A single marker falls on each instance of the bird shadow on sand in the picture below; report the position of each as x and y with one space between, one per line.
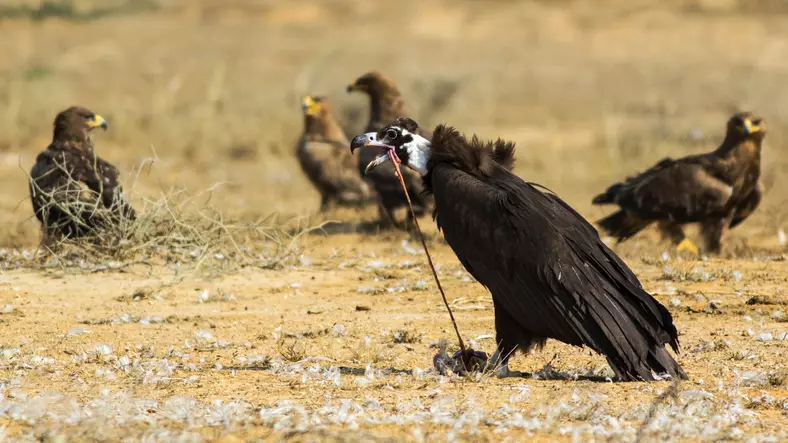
553 376
560 376
344 370
369 228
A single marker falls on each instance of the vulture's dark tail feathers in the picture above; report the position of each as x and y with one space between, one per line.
662 362
657 363
633 328
635 341
622 225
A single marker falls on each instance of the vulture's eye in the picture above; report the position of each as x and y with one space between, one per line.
391 134
757 121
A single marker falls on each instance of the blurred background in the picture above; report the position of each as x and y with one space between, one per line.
591 90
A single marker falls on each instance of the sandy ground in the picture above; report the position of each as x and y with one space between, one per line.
338 346
335 341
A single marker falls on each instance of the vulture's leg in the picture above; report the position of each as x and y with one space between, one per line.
673 232
713 231
510 337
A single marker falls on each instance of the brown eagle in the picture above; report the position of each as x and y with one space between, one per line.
323 156
549 273
385 104
719 190
75 192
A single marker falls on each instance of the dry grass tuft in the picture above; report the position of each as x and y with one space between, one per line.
367 352
177 227
291 349
406 336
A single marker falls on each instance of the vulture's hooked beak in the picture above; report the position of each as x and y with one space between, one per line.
369 139
98 122
350 88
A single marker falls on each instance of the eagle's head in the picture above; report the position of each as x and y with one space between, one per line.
313 105
318 118
373 83
400 142
77 122
746 125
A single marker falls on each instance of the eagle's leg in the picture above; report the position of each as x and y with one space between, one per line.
325 203
673 232
386 217
713 231
349 199
410 221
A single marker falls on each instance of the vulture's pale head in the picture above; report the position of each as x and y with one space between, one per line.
746 125
77 122
398 141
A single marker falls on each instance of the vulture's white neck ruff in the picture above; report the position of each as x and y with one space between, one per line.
419 152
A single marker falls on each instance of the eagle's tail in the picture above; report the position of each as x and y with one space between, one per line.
607 197
622 225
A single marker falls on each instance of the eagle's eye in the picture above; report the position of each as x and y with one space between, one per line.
756 122
391 134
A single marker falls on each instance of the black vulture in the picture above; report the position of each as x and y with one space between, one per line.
323 156
74 192
719 190
549 273
386 104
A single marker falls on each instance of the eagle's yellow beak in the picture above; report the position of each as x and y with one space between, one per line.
749 127
97 122
310 106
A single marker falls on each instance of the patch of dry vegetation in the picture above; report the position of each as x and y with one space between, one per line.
177 227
